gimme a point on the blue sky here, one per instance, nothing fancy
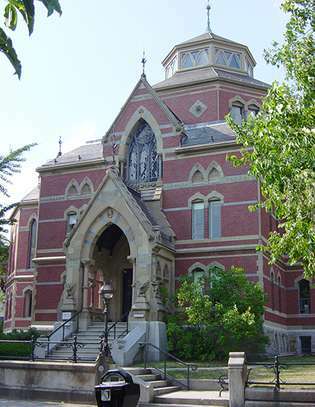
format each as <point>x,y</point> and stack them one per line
<point>78,69</point>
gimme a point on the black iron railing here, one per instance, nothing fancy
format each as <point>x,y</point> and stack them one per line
<point>113,327</point>
<point>31,345</point>
<point>165,370</point>
<point>277,369</point>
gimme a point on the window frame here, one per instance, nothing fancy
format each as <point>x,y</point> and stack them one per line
<point>68,215</point>
<point>241,106</point>
<point>195,236</point>
<point>32,242</point>
<point>192,58</point>
<point>218,203</point>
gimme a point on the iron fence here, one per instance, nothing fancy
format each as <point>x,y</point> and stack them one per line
<point>277,370</point>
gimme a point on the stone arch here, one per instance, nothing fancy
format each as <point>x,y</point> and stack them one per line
<point>216,264</point>
<point>86,186</point>
<point>196,198</point>
<point>237,99</point>
<point>197,174</point>
<point>108,217</point>
<point>215,196</point>
<point>214,171</point>
<point>72,188</point>
<point>195,266</point>
<point>147,116</point>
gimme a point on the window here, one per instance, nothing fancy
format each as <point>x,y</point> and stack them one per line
<point>171,68</point>
<point>86,189</point>
<point>194,58</point>
<point>28,297</point>
<point>71,221</point>
<point>215,219</point>
<point>279,294</point>
<point>249,68</point>
<point>32,243</point>
<point>304,295</point>
<point>72,191</point>
<point>198,274</point>
<point>253,110</point>
<point>144,163</point>
<point>228,58</point>
<point>197,220</point>
<point>272,278</point>
<point>237,112</point>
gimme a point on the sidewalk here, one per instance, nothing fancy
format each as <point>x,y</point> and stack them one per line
<point>35,403</point>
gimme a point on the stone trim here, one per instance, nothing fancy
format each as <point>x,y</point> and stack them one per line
<point>226,180</point>
<point>218,239</point>
<point>217,248</point>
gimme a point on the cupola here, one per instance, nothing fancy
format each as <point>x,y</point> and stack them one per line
<point>209,51</point>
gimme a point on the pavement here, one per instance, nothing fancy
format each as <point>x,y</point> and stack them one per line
<point>21,403</point>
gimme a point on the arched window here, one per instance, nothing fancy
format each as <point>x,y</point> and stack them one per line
<point>237,112</point>
<point>279,294</point>
<point>143,163</point>
<point>198,274</point>
<point>86,189</point>
<point>28,299</point>
<point>272,282</point>
<point>214,217</point>
<point>197,177</point>
<point>72,218</point>
<point>32,243</point>
<point>253,110</point>
<point>197,220</point>
<point>304,296</point>
<point>72,191</point>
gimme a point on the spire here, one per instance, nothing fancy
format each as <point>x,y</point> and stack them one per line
<point>143,61</point>
<point>208,17</point>
<point>60,144</point>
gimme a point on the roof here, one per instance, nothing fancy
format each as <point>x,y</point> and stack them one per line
<point>87,152</point>
<point>214,132</point>
<point>209,36</point>
<point>33,195</point>
<point>208,74</point>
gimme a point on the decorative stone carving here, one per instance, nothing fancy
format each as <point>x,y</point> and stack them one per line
<point>143,289</point>
<point>69,291</point>
<point>198,108</point>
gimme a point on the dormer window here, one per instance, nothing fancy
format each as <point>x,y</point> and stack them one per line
<point>249,68</point>
<point>237,112</point>
<point>192,59</point>
<point>228,58</point>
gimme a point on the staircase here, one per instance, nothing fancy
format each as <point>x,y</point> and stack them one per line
<point>166,394</point>
<point>90,339</point>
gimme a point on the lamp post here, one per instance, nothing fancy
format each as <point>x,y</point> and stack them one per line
<point>107,293</point>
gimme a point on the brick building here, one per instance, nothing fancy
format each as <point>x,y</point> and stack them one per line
<point>170,204</point>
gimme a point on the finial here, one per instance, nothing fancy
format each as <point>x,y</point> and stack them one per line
<point>143,61</point>
<point>60,144</point>
<point>208,15</point>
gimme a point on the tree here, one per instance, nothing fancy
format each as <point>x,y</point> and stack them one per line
<point>9,165</point>
<point>219,313</point>
<point>279,143</point>
<point>26,9</point>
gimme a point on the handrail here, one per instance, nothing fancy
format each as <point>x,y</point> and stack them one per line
<point>114,325</point>
<point>63,326</point>
<point>189,366</point>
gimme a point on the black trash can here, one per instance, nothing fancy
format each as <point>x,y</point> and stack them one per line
<point>117,390</point>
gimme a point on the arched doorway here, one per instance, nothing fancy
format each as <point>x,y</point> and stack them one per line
<point>111,256</point>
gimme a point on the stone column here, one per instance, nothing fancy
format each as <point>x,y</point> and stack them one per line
<point>237,372</point>
<point>85,315</point>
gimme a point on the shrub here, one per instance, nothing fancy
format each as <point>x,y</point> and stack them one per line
<point>220,313</point>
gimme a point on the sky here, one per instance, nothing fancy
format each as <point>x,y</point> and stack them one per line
<point>79,69</point>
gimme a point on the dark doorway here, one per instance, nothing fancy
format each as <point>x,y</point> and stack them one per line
<point>306,344</point>
<point>126,293</point>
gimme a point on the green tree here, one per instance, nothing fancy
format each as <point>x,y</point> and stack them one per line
<point>9,165</point>
<point>279,143</point>
<point>25,9</point>
<point>219,313</point>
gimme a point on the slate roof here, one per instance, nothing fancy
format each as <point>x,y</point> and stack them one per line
<point>32,195</point>
<point>214,132</point>
<point>208,74</point>
<point>87,152</point>
<point>209,36</point>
